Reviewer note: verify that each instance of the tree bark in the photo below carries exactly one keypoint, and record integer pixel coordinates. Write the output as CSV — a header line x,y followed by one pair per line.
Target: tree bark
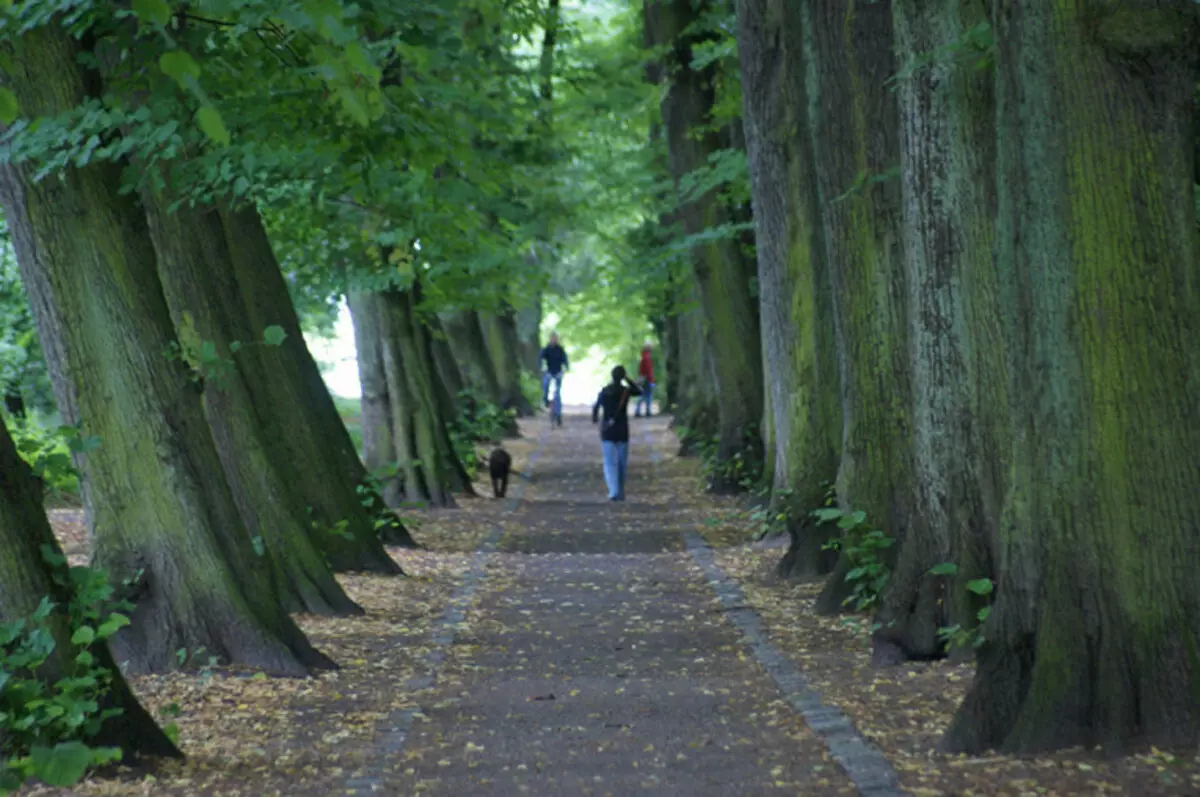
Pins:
x,y
302,412
430,469
464,333
723,275
156,496
795,301
379,448
1094,634
948,182
854,121
25,578
500,336
196,272
449,374
529,323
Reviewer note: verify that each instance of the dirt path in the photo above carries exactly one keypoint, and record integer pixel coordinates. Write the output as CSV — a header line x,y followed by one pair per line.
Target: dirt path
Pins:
x,y
597,659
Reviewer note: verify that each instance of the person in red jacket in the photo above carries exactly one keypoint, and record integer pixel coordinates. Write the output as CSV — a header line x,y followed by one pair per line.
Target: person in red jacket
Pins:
x,y
646,377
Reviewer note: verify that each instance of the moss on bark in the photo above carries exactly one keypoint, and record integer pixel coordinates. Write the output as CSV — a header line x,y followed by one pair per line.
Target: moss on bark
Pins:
x,y
300,410
196,273
155,491
25,579
854,124
1094,633
795,303
503,347
722,273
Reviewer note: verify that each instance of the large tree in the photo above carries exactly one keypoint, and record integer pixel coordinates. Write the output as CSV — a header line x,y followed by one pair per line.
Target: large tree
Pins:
x,y
161,511
499,328
302,412
1094,634
947,178
854,124
232,358
795,301
26,578
722,272
416,403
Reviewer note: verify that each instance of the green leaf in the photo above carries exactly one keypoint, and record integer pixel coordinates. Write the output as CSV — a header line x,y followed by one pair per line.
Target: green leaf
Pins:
x,y
981,586
274,335
112,625
84,635
8,106
179,66
61,765
209,120
944,569
152,11
260,547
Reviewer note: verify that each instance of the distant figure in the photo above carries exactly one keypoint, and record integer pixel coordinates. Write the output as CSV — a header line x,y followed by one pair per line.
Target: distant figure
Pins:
x,y
555,359
614,431
499,464
646,378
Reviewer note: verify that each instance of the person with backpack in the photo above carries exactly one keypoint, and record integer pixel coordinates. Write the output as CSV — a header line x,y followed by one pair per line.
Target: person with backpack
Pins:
x,y
614,429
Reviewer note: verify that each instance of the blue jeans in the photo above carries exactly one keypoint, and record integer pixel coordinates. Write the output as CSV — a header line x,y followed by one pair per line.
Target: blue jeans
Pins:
x,y
546,377
616,458
646,398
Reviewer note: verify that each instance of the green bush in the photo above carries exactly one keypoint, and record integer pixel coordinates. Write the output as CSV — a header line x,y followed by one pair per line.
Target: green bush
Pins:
x,y
477,423
46,724
862,545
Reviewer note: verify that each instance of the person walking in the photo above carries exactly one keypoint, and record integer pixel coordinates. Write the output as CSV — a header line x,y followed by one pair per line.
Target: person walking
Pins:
x,y
553,358
646,378
614,430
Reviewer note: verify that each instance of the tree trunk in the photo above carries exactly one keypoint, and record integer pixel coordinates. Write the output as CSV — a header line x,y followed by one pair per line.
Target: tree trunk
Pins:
x,y
428,467
196,272
465,336
795,302
1095,631
449,374
408,357
948,182
26,578
379,448
854,121
300,411
723,275
529,324
500,337
160,509
697,412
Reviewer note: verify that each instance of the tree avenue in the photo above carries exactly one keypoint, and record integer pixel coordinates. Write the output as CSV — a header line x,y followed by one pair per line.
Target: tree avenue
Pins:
x,y
920,277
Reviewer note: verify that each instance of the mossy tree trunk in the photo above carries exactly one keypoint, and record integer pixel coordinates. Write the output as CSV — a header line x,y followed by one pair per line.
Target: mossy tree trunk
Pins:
x,y
504,348
301,411
948,182
1095,631
853,120
795,301
464,332
26,578
529,325
379,447
449,374
158,503
427,463
723,274
196,272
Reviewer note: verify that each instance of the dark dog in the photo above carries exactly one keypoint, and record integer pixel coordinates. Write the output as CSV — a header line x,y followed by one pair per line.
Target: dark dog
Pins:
x,y
499,464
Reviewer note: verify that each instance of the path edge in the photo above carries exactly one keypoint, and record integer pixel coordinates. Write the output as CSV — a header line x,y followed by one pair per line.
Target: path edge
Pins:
x,y
392,731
